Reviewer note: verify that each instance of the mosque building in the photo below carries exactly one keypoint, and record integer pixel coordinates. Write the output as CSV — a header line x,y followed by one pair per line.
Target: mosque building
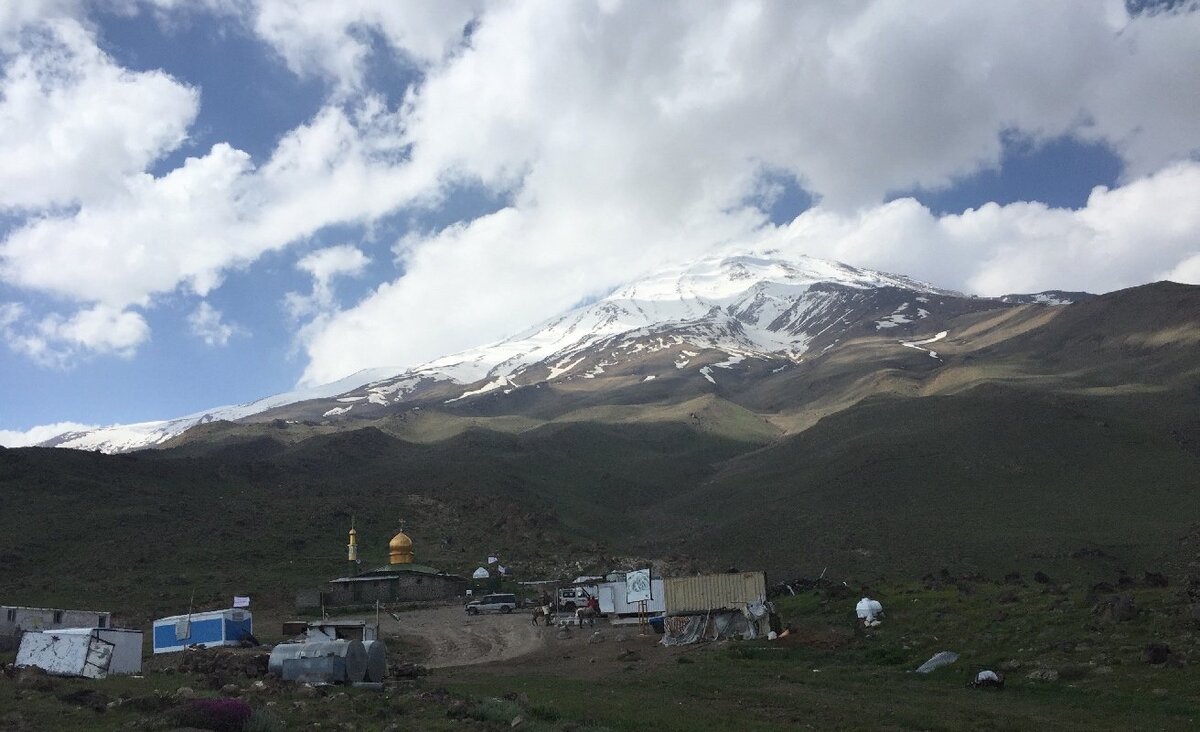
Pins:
x,y
400,580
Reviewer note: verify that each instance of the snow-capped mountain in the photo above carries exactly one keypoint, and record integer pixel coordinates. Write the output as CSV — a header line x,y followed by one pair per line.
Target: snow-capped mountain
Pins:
x,y
753,306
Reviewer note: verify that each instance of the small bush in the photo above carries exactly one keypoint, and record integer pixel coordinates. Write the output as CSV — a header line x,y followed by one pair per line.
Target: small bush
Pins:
x,y
219,715
884,656
1073,672
495,710
743,652
544,712
262,720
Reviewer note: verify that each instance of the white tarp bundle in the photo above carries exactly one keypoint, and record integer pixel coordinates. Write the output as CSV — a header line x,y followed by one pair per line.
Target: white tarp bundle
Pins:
x,y
937,660
480,573
66,654
869,611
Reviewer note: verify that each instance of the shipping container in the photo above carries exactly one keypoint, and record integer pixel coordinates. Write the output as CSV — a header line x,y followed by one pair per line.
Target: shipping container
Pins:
x,y
702,593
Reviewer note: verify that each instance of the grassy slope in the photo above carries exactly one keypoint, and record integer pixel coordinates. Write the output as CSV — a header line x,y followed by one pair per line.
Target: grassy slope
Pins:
x,y
986,479
1088,436
827,675
142,532
832,676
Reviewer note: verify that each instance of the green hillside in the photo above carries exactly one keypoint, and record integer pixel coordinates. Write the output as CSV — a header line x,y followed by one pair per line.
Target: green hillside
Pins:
x,y
991,479
1062,439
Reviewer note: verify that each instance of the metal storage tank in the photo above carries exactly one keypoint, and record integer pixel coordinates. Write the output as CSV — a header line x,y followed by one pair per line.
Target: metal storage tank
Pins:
x,y
351,652
376,660
714,592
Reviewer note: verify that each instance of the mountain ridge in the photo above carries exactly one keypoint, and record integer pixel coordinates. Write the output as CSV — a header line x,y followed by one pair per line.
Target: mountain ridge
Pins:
x,y
756,305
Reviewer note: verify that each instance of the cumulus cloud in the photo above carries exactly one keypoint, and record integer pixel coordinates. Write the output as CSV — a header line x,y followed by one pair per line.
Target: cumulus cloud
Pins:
x,y
207,324
627,136
41,433
213,213
336,40
74,123
57,341
343,260
1187,271
629,139
854,99
1122,237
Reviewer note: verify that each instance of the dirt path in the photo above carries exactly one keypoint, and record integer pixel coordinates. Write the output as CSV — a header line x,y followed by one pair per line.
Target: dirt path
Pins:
x,y
450,637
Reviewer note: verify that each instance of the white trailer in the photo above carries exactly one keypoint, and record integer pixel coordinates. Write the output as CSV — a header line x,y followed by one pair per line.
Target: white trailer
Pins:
x,y
613,599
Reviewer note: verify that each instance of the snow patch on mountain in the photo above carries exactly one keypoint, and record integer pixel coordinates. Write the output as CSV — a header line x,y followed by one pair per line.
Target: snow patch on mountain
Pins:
x,y
122,438
917,344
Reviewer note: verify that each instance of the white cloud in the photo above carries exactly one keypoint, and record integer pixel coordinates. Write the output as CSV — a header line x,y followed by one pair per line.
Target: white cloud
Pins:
x,y
41,433
1122,237
213,213
336,40
1186,272
627,136
206,324
343,260
73,124
631,138
855,99
324,264
60,342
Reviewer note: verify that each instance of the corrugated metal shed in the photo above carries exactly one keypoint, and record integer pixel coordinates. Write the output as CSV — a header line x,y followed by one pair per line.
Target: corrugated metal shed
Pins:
x,y
714,592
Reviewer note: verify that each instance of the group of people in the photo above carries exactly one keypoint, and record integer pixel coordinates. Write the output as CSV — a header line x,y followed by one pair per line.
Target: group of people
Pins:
x,y
590,610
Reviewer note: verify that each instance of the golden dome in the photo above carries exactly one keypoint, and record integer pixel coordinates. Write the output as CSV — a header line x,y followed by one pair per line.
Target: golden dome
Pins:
x,y
400,549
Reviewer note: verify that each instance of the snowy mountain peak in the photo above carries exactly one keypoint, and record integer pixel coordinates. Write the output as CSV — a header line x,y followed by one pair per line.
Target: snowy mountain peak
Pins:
x,y
748,305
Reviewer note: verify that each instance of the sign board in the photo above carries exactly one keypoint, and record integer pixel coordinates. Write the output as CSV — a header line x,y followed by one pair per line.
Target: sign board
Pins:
x,y
637,586
241,601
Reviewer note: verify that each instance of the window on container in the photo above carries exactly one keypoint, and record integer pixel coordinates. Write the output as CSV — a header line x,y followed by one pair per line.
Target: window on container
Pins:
x,y
101,621
58,616
12,615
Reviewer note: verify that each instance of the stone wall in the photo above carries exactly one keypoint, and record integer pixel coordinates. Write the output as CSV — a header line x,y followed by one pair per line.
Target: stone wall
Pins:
x,y
14,620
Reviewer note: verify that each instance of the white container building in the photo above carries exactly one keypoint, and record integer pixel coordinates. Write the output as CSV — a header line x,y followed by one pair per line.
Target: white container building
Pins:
x,y
207,629
88,652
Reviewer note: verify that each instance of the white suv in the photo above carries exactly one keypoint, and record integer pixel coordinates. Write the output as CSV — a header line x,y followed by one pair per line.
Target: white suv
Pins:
x,y
492,604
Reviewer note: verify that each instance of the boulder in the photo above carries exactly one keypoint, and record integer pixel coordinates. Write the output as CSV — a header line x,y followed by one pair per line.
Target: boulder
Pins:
x,y
1154,579
1117,608
1043,674
1156,653
88,698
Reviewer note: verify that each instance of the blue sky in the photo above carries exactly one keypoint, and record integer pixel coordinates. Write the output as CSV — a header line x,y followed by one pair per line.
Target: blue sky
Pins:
x,y
209,205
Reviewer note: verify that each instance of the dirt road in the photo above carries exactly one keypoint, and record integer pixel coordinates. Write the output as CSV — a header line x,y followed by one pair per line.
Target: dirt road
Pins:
x,y
446,636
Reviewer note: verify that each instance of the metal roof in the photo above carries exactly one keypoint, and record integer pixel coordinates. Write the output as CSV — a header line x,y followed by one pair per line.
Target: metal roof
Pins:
x,y
393,570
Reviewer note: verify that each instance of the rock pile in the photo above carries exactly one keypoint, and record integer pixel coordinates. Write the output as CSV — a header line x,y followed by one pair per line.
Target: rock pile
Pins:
x,y
222,667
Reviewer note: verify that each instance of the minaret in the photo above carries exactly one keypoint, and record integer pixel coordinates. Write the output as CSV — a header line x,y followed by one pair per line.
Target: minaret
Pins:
x,y
352,550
